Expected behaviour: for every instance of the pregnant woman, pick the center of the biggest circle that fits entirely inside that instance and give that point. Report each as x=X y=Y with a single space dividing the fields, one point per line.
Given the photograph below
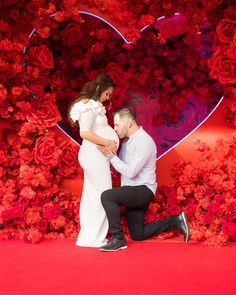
x=89 y=112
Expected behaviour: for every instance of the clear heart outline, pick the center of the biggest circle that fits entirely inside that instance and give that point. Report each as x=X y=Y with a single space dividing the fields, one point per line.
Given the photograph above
x=129 y=42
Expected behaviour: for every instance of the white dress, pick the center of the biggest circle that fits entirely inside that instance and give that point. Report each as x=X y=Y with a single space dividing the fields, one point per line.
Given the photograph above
x=97 y=177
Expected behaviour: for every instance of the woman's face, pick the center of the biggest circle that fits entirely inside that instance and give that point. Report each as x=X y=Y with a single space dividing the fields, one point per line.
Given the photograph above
x=105 y=95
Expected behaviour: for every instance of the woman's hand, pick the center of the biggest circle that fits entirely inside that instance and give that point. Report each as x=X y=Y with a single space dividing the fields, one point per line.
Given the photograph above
x=111 y=145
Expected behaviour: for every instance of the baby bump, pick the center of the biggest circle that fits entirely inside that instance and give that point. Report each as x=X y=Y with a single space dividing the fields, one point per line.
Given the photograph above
x=108 y=133
x=90 y=156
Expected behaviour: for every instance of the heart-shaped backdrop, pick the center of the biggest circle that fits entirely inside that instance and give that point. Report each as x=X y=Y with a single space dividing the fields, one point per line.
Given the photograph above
x=166 y=85
x=162 y=74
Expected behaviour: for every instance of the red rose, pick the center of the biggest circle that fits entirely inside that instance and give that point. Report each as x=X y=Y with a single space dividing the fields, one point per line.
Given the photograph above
x=46 y=152
x=223 y=68
x=69 y=156
x=169 y=191
x=44 y=114
x=42 y=225
x=42 y=56
x=37 y=90
x=52 y=212
x=16 y=212
x=3 y=92
x=33 y=236
x=17 y=91
x=58 y=80
x=34 y=5
x=229 y=228
x=23 y=202
x=68 y=164
x=116 y=72
x=226 y=30
x=5 y=109
x=3 y=25
x=72 y=34
x=14 y=13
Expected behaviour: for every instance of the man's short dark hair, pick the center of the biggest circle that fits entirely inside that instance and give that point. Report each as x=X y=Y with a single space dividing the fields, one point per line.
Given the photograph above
x=124 y=113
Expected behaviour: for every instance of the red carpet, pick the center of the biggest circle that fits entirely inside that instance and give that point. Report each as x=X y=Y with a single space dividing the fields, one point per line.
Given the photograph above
x=168 y=268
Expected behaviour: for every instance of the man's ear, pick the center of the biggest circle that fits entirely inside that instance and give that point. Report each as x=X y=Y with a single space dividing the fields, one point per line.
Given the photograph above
x=128 y=123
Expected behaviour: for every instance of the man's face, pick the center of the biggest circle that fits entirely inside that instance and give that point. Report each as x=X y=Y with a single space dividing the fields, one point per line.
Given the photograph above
x=120 y=126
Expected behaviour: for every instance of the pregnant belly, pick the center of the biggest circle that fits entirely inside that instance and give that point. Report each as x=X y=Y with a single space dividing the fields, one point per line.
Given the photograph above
x=108 y=133
x=89 y=155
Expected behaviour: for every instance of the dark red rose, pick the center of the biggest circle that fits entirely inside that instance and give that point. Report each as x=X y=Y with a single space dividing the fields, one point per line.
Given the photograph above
x=14 y=13
x=219 y=199
x=5 y=109
x=209 y=191
x=121 y=58
x=214 y=208
x=58 y=80
x=52 y=212
x=33 y=6
x=117 y=73
x=2 y=78
x=226 y=30
x=229 y=228
x=169 y=191
x=3 y=25
x=37 y=90
x=208 y=218
x=44 y=114
x=223 y=68
x=42 y=56
x=23 y=201
x=15 y=212
x=72 y=34
x=42 y=225
x=46 y=152
x=3 y=92
x=23 y=21
x=69 y=156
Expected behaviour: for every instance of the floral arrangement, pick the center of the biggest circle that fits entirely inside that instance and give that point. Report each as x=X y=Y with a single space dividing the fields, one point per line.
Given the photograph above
x=206 y=191
x=41 y=72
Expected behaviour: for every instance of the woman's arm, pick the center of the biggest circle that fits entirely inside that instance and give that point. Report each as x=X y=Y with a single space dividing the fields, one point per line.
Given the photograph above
x=96 y=139
x=86 y=123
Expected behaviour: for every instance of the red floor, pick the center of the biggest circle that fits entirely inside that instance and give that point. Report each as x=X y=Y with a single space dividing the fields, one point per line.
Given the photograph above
x=150 y=267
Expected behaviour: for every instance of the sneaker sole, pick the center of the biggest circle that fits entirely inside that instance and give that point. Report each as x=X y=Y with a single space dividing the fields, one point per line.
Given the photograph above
x=187 y=226
x=109 y=250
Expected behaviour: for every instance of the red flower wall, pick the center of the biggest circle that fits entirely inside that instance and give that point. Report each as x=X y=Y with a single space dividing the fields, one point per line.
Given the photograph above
x=40 y=76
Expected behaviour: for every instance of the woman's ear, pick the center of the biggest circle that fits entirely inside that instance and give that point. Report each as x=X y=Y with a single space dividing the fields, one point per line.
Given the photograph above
x=97 y=88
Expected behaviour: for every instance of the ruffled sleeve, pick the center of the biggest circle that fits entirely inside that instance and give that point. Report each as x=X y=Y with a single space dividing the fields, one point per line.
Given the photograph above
x=85 y=113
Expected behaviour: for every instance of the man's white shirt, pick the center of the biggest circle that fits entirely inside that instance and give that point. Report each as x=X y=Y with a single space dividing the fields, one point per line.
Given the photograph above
x=137 y=160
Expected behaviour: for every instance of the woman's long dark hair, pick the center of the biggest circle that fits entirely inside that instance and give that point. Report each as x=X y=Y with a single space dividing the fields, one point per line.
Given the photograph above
x=94 y=88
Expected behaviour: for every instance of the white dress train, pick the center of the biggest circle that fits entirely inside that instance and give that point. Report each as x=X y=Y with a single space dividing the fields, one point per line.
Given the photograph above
x=97 y=176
